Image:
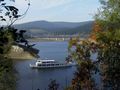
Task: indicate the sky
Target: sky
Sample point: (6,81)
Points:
(58,10)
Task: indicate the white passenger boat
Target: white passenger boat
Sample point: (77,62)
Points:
(51,64)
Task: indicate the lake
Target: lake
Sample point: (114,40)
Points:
(32,79)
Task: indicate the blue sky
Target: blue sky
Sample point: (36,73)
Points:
(59,10)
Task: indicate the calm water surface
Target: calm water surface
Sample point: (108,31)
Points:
(32,79)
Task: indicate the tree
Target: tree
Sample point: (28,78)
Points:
(96,29)
(9,13)
(80,51)
(109,42)
(109,57)
(106,32)
(8,35)
(108,16)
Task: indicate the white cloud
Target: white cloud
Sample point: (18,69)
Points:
(45,4)
(42,3)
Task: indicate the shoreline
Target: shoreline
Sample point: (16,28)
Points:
(22,52)
(47,39)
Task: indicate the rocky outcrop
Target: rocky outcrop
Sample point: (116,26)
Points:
(22,52)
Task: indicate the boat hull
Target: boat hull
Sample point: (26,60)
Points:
(45,67)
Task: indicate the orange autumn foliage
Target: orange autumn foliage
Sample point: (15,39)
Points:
(96,29)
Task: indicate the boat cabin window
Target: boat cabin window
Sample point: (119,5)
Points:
(48,62)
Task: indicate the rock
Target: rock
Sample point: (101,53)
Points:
(22,52)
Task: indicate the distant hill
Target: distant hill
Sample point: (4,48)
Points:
(83,27)
(45,27)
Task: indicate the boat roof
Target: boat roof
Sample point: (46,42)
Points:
(46,60)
